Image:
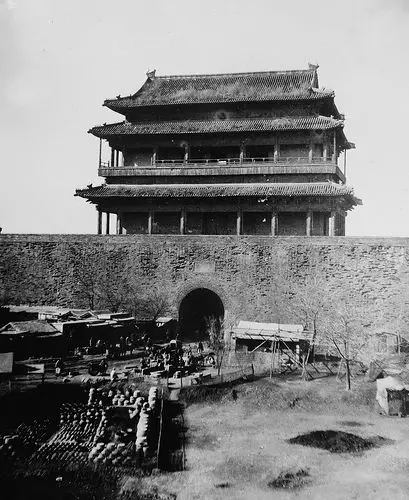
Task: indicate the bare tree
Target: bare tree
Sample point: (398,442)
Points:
(345,328)
(307,303)
(215,328)
(153,303)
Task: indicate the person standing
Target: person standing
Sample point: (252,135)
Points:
(59,365)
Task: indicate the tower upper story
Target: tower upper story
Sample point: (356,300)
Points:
(274,126)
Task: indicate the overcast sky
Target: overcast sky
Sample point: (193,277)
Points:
(59,59)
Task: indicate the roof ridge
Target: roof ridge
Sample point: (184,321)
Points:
(270,72)
(224,184)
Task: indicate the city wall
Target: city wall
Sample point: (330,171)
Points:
(49,269)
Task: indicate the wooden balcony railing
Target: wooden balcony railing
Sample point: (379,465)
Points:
(230,161)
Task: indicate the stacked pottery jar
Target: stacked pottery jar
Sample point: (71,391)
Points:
(142,430)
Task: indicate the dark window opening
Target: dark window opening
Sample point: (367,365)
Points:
(135,222)
(194,223)
(256,223)
(320,224)
(141,156)
(219,223)
(292,224)
(166,223)
(171,153)
(294,150)
(214,153)
(259,151)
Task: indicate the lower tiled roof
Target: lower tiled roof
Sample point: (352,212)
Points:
(217,126)
(326,189)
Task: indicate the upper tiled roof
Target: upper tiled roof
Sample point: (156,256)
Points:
(326,189)
(216,126)
(221,88)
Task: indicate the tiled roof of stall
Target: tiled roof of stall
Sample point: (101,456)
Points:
(217,126)
(217,190)
(221,88)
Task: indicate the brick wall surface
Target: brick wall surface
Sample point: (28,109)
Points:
(48,269)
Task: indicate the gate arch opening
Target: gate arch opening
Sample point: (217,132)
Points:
(199,308)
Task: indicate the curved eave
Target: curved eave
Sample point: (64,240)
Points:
(263,191)
(125,105)
(216,126)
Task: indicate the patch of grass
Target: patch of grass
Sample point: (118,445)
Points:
(222,485)
(337,441)
(290,479)
(204,394)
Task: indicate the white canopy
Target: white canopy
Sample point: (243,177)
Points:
(270,331)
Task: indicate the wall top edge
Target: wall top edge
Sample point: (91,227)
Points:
(277,240)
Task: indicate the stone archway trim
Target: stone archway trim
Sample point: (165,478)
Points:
(194,284)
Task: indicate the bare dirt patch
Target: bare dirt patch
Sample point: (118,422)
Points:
(353,423)
(290,479)
(338,441)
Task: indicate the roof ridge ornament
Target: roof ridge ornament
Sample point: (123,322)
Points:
(151,74)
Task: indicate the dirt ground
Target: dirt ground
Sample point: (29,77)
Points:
(238,449)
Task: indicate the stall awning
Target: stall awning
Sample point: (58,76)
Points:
(251,330)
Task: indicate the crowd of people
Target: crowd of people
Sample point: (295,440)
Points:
(171,356)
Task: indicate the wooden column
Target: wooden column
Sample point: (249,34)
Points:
(325,149)
(182,221)
(186,155)
(334,156)
(308,223)
(119,228)
(345,162)
(238,221)
(276,149)
(99,224)
(117,158)
(107,214)
(150,221)
(112,157)
(331,228)
(274,226)
(311,151)
(100,152)
(242,152)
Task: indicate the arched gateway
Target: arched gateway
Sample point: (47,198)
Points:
(197,309)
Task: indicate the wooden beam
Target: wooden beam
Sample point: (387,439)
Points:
(258,347)
(99,223)
(345,163)
(100,152)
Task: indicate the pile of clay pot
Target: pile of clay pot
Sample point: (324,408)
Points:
(141,412)
(72,442)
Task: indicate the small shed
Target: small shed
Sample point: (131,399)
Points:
(283,340)
(31,338)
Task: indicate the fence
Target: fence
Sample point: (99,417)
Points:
(224,378)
